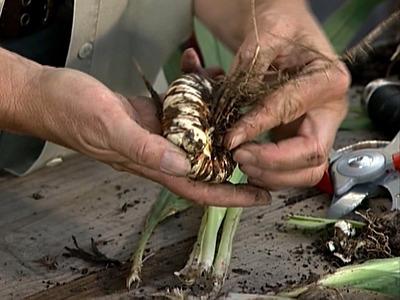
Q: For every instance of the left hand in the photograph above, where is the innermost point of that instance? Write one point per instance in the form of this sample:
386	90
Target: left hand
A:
303	115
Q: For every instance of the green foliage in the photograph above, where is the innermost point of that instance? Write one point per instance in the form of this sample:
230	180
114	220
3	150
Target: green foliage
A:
379	275
313	223
167	204
343	24
213	51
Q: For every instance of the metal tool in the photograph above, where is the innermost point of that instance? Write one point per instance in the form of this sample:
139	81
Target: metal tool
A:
361	170
381	99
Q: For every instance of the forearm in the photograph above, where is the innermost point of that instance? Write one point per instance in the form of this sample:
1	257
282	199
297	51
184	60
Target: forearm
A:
18	85
231	20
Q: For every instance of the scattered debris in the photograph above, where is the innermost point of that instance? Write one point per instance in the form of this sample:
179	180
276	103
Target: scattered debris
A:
37	196
301	197
96	257
241	271
380	238
125	206
50	262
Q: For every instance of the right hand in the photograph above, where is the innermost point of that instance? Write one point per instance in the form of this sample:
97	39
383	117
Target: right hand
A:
73	109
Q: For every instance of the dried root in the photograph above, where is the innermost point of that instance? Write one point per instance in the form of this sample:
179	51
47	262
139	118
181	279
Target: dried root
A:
96	257
380	238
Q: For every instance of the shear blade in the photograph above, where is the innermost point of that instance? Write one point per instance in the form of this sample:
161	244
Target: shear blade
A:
347	203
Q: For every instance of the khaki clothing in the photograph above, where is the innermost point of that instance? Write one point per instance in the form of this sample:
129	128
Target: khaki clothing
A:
106	35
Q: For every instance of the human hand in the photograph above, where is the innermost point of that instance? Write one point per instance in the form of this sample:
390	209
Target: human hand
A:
303	115
75	110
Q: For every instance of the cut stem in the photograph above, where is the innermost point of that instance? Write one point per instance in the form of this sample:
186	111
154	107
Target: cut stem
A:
204	257
203	253
231	222
314	223
191	271
221	263
215	216
166	205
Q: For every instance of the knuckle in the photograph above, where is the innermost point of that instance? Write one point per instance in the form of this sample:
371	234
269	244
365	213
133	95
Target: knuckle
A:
246	54
268	162
140	150
203	197
318	155
255	120
342	80
314	176
290	109
276	24
255	182
271	164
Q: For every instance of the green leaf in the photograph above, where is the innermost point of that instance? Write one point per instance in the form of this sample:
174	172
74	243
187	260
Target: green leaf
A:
238	177
172	67
213	51
313	223
379	275
167	204
343	24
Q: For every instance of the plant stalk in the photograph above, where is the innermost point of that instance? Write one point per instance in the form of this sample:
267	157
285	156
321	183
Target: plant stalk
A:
221	263
166	205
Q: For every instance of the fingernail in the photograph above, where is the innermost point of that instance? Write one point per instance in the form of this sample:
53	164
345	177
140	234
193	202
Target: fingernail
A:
175	163
238	139
244	157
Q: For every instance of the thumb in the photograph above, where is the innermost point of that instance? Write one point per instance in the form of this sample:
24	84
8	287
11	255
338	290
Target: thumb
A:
149	150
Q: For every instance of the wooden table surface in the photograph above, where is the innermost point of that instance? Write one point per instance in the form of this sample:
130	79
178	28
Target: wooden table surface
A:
39	213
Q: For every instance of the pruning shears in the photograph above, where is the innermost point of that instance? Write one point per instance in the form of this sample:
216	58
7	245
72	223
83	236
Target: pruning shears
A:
362	170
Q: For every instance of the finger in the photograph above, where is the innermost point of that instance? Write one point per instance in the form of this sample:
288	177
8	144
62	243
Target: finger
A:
145	113
147	149
224	195
285	179
215	72
310	148
190	62
288	104
256	55
291	154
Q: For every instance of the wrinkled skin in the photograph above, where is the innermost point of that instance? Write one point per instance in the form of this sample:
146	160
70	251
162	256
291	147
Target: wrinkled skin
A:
302	116
73	109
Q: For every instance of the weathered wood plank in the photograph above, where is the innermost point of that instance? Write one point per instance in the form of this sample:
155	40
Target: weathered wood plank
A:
81	197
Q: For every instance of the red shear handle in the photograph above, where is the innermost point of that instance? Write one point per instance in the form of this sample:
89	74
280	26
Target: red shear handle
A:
325	184
396	161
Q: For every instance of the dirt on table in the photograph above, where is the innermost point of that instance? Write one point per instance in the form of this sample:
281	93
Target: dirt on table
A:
379	238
